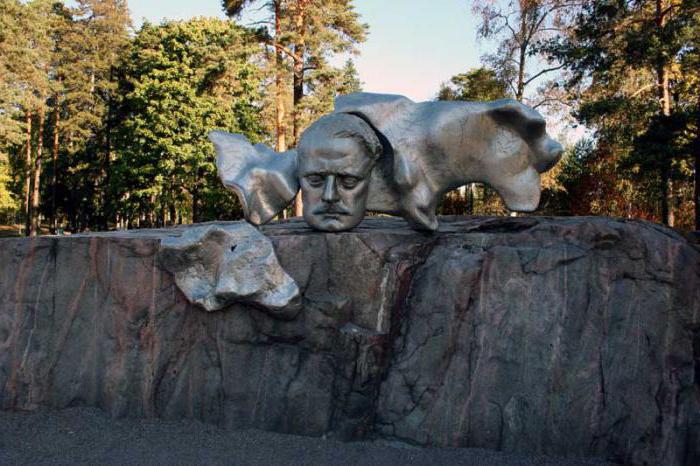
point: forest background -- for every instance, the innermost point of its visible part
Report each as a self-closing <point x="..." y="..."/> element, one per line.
<point x="103" y="125"/>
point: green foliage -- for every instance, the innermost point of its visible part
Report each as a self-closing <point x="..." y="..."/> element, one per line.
<point x="302" y="36"/>
<point x="110" y="127"/>
<point x="102" y="130"/>
<point x="323" y="87"/>
<point x="8" y="202"/>
<point x="628" y="64"/>
<point x="94" y="36"/>
<point x="479" y="84"/>
<point x="10" y="85"/>
<point x="180" y="80"/>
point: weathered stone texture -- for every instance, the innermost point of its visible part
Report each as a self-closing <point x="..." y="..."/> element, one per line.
<point x="575" y="336"/>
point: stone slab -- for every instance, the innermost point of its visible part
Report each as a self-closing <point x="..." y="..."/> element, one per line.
<point x="558" y="336"/>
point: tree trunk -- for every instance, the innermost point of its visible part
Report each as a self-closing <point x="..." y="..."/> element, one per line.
<point x="36" y="187"/>
<point x="664" y="96"/>
<point x="172" y="214"/>
<point x="280" y="126"/>
<point x="298" y="84"/>
<point x="520" y="88"/>
<point x="668" y="195"/>
<point x="298" y="79"/>
<point x="298" y="96"/>
<point x="151" y="217"/>
<point x="56" y="120"/>
<point x="28" y="176"/>
<point x="107" y="207"/>
<point x="470" y="198"/>
<point x="195" y="205"/>
<point x="697" y="174"/>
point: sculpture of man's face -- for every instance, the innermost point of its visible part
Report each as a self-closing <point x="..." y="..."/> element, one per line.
<point x="334" y="175"/>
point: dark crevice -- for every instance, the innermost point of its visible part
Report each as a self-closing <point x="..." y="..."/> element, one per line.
<point x="695" y="332"/>
<point x="384" y="346"/>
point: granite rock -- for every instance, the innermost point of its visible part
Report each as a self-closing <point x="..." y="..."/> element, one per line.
<point x="563" y="336"/>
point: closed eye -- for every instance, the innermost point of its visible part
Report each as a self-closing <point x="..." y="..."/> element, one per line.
<point x="314" y="180"/>
<point x="349" y="182"/>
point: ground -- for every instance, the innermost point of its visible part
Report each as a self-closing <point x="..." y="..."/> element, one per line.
<point x="88" y="436"/>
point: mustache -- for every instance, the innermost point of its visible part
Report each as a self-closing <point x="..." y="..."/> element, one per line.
<point x="330" y="209"/>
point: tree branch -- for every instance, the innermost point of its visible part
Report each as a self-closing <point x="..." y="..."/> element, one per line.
<point x="548" y="100"/>
<point x="546" y="70"/>
<point x="642" y="89"/>
<point x="281" y="48"/>
<point x="256" y="23"/>
<point x="512" y="87"/>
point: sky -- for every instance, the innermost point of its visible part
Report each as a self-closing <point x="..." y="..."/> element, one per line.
<point x="413" y="45"/>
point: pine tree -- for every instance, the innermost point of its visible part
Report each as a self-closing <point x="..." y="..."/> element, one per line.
<point x="273" y="34"/>
<point x="305" y="34"/>
<point x="98" y="38"/>
<point x="349" y="79"/>
<point x="11" y="92"/>
<point x="480" y="84"/>
<point x="179" y="81"/>
<point x="624" y="59"/>
<point x="12" y="61"/>
<point x="30" y="59"/>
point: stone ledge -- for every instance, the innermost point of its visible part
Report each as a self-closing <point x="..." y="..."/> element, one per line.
<point x="562" y="336"/>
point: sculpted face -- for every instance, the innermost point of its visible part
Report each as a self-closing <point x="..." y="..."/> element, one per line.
<point x="334" y="175"/>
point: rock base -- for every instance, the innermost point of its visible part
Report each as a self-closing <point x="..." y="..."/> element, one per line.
<point x="566" y="337"/>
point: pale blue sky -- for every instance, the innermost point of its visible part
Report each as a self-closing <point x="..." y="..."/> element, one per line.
<point x="413" y="46"/>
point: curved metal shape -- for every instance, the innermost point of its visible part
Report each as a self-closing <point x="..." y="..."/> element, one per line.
<point x="434" y="147"/>
<point x="265" y="181"/>
<point x="428" y="149"/>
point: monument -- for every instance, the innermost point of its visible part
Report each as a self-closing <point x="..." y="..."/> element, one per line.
<point x="561" y="336"/>
<point x="377" y="152"/>
<point x="387" y="154"/>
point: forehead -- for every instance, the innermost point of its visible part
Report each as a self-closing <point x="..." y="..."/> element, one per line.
<point x="334" y="155"/>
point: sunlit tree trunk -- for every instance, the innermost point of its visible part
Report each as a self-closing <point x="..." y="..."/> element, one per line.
<point x="697" y="174"/>
<point x="664" y="96"/>
<point x="298" y="83"/>
<point x="108" y="207"/>
<point x="151" y="217"/>
<point x="298" y="71"/>
<point x="35" y="227"/>
<point x="522" y="56"/>
<point x="281" y="125"/>
<point x="56" y="126"/>
<point x="28" y="175"/>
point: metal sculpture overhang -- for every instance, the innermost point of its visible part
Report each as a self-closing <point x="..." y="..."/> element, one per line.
<point x="388" y="154"/>
<point x="217" y="266"/>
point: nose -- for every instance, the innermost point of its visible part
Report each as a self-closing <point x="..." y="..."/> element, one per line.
<point x="330" y="190"/>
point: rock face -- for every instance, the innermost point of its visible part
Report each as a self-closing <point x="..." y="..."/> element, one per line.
<point x="576" y="336"/>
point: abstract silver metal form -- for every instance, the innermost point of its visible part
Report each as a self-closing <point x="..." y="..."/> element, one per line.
<point x="388" y="154"/>
<point x="216" y="266"/>
<point x="265" y="181"/>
